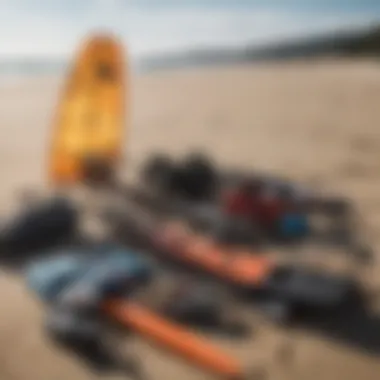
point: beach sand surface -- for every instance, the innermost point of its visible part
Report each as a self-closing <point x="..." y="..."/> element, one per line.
<point x="316" y="122"/>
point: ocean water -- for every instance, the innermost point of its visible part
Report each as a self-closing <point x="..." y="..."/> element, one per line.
<point x="40" y="36"/>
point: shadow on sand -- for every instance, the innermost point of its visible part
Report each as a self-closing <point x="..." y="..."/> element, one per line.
<point x="354" y="327"/>
<point x="102" y="359"/>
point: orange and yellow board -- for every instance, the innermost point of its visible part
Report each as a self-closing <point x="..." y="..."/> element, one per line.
<point x="90" y="119"/>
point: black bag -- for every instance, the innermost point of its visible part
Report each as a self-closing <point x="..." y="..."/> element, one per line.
<point x="41" y="225"/>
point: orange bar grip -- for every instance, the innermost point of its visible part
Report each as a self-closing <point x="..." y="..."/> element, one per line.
<point x="174" y="338"/>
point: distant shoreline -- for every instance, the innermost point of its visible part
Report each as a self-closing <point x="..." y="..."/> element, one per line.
<point x="360" y="43"/>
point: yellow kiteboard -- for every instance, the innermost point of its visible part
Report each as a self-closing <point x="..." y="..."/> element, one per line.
<point x="89" y="129"/>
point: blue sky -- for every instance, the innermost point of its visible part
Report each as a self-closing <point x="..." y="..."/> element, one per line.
<point x="51" y="28"/>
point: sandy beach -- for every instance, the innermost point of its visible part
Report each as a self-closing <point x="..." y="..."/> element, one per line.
<point x="316" y="122"/>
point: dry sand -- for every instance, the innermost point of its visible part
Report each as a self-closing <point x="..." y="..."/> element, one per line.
<point x="313" y="121"/>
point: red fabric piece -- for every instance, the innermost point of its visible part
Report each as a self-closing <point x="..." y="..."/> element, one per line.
<point x="271" y="210"/>
<point x="264" y="210"/>
<point x="241" y="204"/>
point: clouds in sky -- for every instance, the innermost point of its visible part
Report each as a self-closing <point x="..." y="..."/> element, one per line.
<point x="51" y="28"/>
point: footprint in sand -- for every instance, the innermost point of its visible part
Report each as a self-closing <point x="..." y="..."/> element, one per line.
<point x="358" y="169"/>
<point x="364" y="144"/>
